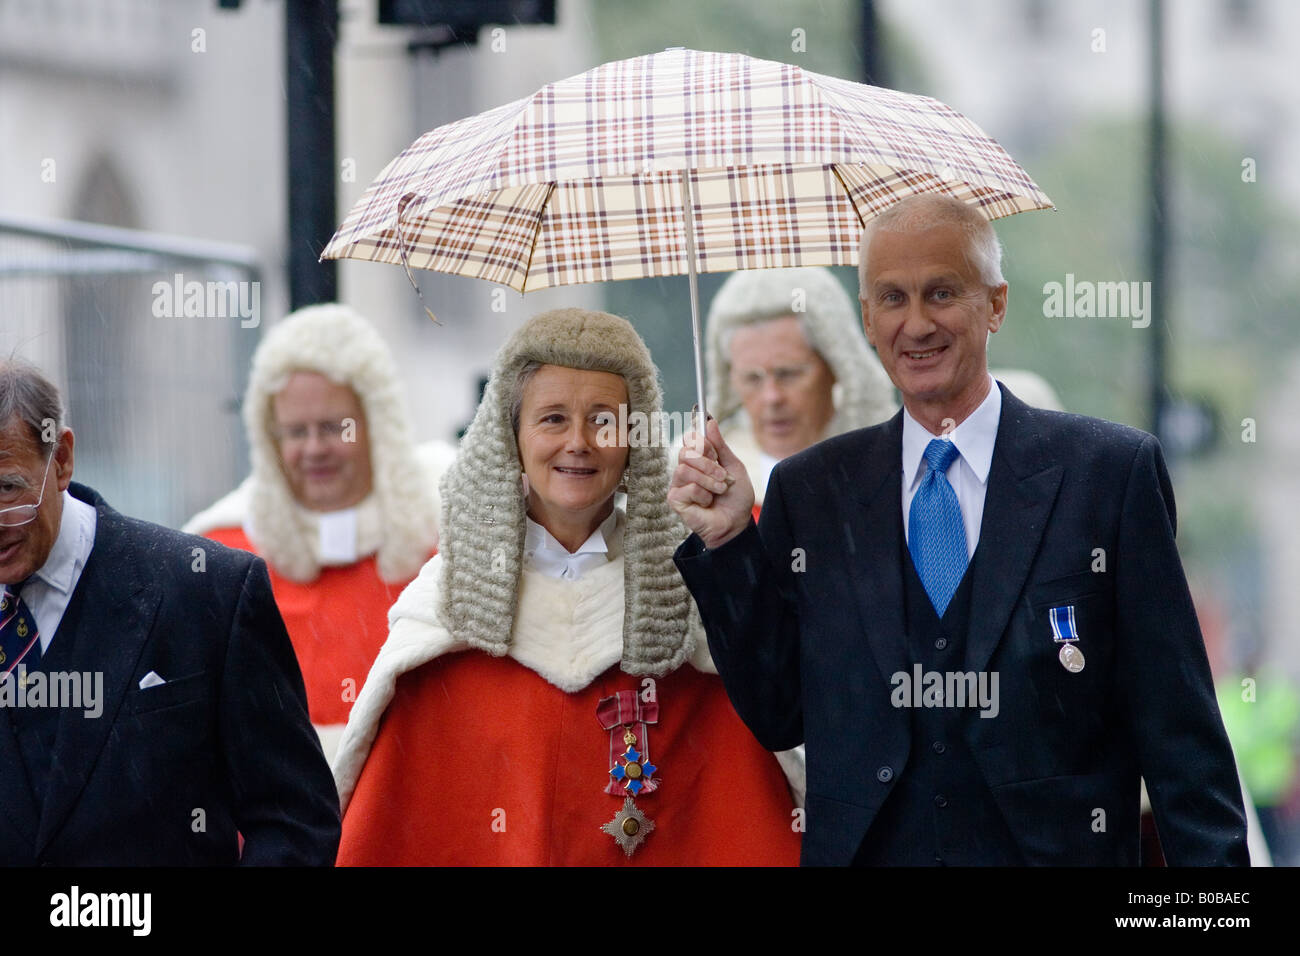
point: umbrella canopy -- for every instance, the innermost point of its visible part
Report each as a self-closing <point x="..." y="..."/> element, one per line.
<point x="580" y="182"/>
<point x="590" y="178"/>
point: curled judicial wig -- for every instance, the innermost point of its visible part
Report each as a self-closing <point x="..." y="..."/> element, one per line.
<point x="483" y="510"/>
<point x="335" y="341"/>
<point x="863" y="394"/>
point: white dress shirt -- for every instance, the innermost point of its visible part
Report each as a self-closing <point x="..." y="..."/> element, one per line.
<point x="48" y="591"/>
<point x="969" y="472"/>
<point x="544" y="554"/>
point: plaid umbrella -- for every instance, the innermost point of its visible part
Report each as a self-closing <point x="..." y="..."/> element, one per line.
<point x="674" y="163"/>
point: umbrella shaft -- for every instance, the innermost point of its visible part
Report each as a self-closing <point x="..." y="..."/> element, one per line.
<point x="688" y="217"/>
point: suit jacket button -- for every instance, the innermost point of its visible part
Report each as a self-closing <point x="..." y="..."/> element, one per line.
<point x="885" y="774"/>
<point x="938" y="747"/>
<point x="940" y="643"/>
<point x="941" y="801"/>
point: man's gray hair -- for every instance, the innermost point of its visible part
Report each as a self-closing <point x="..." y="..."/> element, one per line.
<point x="928" y="210"/>
<point x="33" y="398"/>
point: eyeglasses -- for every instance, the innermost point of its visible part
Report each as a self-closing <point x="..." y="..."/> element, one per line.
<point x="752" y="380"/>
<point x="296" y="434"/>
<point x="19" y="515"/>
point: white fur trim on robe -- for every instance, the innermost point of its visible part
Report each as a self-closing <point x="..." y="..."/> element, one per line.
<point x="329" y="736"/>
<point x="226" y="512"/>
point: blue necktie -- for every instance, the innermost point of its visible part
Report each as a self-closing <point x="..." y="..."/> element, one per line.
<point x="936" y="537"/>
<point x="19" y="638"/>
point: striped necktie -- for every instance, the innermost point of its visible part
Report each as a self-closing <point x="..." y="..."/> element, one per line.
<point x="19" y="636"/>
<point x="936" y="537"/>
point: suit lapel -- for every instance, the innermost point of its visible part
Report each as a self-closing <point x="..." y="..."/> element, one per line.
<point x="117" y="614"/>
<point x="1021" y="492"/>
<point x="17" y="801"/>
<point x="875" y="543"/>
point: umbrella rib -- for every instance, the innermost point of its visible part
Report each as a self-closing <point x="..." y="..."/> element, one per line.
<point x="401" y="248"/>
<point x="835" y="170"/>
<point x="532" y="248"/>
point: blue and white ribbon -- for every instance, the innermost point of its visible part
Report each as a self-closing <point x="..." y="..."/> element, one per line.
<point x="1063" y="626"/>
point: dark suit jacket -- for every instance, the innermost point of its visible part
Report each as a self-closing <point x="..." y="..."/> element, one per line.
<point x="808" y="656"/>
<point x="170" y="774"/>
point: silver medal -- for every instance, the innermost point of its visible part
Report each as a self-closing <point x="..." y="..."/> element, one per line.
<point x="1071" y="658"/>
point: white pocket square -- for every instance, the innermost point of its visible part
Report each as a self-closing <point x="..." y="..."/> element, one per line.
<point x="151" y="679"/>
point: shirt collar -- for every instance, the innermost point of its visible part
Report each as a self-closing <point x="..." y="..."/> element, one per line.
<point x="974" y="438"/>
<point x="545" y="554"/>
<point x="71" y="546"/>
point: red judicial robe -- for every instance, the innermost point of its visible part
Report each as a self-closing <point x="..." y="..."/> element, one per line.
<point x="479" y="760"/>
<point x="337" y="624"/>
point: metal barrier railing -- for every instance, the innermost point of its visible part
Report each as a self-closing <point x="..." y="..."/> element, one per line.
<point x="149" y="337"/>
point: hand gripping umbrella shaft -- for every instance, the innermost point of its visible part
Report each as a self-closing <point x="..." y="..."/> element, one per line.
<point x="688" y="216"/>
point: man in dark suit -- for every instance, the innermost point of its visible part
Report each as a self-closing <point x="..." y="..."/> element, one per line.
<point x="153" y="712"/>
<point x="974" y="615"/>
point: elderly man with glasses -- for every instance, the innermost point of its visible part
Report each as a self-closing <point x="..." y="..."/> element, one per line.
<point x="197" y="734"/>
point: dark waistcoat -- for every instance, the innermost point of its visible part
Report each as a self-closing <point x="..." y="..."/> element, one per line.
<point x="940" y="812"/>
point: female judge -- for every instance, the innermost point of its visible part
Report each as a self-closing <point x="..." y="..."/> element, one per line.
<point x="541" y="698"/>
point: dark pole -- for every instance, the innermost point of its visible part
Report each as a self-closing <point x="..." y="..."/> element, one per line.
<point x="873" y="65"/>
<point x="1158" y="225"/>
<point x="310" y="30"/>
